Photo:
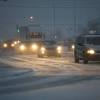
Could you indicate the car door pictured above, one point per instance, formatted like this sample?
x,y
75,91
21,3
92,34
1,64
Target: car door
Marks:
x,y
80,46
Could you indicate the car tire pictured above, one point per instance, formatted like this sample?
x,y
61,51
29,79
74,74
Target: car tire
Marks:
x,y
85,61
58,55
40,56
76,58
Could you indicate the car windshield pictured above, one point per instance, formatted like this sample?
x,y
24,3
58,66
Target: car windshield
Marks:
x,y
93,40
49,43
30,42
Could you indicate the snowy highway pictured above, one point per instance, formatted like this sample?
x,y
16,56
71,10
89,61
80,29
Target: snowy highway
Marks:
x,y
21,73
51,65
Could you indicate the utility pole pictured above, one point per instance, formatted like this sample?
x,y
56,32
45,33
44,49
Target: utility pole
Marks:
x,y
53,16
74,14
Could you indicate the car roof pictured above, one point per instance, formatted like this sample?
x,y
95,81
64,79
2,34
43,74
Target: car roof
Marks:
x,y
28,41
93,35
89,35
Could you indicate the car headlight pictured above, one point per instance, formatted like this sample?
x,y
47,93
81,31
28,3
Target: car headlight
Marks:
x,y
5,45
43,49
15,42
34,46
59,49
91,51
12,45
18,41
22,47
73,47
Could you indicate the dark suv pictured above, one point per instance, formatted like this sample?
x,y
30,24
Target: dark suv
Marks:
x,y
87,48
50,48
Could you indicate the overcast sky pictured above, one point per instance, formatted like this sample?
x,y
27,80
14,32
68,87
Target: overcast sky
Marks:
x,y
17,12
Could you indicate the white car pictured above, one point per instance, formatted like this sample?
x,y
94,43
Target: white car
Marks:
x,y
87,48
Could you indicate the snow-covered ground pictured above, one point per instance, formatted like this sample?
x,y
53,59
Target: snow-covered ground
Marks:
x,y
52,65
29,77
24,84
80,91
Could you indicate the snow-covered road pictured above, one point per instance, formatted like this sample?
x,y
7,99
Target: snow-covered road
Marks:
x,y
52,65
20,73
82,91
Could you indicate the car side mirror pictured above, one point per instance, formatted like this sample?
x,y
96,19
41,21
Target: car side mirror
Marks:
x,y
80,44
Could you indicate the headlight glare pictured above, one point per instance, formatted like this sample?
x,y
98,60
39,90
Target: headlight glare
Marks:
x,y
15,42
91,51
12,45
22,47
5,45
59,48
34,46
43,48
73,46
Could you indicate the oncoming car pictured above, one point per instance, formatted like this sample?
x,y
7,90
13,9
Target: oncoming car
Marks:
x,y
87,48
9,44
50,48
27,47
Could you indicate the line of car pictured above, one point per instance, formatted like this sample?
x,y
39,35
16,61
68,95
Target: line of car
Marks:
x,y
8,44
86,48
41,48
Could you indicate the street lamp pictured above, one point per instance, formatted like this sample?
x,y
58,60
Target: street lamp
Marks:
x,y
31,17
74,12
54,16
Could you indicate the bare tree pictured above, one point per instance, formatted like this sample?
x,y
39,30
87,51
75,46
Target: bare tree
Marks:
x,y
94,24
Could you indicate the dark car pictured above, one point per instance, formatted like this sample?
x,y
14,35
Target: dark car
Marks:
x,y
50,48
87,48
8,44
28,47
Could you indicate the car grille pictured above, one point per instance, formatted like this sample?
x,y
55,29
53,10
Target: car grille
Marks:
x,y
98,51
50,48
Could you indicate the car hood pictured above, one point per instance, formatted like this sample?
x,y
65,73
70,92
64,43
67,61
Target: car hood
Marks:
x,y
95,47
